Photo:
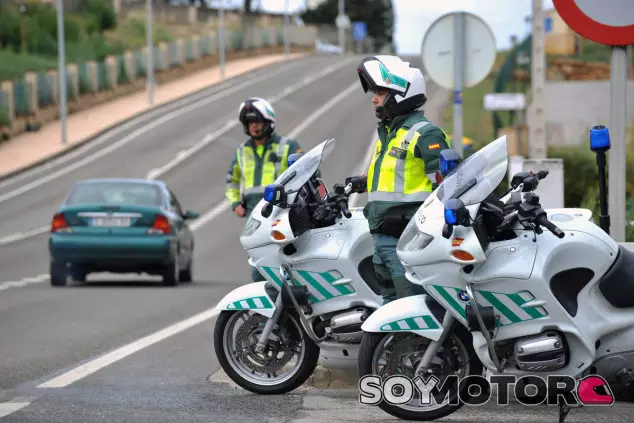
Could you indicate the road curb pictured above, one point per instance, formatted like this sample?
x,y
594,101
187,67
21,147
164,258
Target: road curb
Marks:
x,y
137,115
321,378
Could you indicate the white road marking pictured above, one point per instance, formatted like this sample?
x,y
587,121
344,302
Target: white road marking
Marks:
x,y
132,136
9,407
150,115
354,198
99,363
157,172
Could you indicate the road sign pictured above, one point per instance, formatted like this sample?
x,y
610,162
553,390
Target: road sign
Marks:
x,y
458,52
504,101
359,31
342,21
608,22
439,50
548,24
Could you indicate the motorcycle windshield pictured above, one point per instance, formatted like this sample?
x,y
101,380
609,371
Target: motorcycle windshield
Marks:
x,y
477,176
300,172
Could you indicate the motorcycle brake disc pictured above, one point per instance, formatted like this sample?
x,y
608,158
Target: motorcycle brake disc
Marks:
x,y
267,361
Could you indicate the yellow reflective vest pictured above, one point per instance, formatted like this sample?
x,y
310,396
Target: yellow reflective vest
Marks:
x,y
253,168
404,166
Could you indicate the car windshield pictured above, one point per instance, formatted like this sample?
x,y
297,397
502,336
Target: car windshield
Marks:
x,y
115,193
300,172
477,176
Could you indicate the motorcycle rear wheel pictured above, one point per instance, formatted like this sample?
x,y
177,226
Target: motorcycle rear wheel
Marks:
x,y
256,372
374,344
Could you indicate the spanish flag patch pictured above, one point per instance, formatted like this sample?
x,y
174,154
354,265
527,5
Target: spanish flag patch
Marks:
x,y
434,146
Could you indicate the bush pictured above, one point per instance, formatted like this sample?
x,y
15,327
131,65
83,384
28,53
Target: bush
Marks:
x,y
101,13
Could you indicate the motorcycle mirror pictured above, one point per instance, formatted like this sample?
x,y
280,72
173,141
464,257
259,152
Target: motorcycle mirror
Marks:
x,y
447,231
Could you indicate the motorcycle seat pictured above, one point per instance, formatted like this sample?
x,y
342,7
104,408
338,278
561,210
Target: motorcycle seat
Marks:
x,y
617,285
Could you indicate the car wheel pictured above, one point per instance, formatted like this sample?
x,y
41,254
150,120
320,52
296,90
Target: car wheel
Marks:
x,y
186,274
57,274
171,273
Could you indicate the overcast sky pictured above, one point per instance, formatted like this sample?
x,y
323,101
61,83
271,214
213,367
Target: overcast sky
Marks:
x,y
413,17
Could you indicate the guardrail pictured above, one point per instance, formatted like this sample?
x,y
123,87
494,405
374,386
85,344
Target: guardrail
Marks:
x,y
30,101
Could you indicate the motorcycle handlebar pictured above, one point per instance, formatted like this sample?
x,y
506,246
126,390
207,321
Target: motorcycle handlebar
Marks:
x,y
543,221
343,206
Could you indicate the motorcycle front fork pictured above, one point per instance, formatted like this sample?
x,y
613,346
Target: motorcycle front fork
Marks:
x,y
432,349
279,307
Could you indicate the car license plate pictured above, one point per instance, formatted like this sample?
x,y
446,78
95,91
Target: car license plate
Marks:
x,y
111,221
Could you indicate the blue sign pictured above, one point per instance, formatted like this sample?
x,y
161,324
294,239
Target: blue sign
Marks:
x,y
359,31
548,24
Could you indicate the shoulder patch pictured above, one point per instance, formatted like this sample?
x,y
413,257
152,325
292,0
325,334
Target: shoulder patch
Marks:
x,y
434,146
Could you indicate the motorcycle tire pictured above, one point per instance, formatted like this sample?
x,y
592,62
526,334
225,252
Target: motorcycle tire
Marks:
x,y
371,341
304,371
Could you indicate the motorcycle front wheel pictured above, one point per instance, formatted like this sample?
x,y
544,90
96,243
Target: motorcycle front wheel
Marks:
x,y
399,353
271,372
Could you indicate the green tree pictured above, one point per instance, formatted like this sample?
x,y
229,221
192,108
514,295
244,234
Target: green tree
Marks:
x,y
377,14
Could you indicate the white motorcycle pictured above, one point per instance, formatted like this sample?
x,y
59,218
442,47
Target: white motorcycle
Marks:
x,y
503,293
320,262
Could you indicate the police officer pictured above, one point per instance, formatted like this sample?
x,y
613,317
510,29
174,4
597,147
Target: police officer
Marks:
x,y
405,165
258,161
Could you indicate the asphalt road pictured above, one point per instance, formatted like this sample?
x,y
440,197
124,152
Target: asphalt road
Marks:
x,y
47,332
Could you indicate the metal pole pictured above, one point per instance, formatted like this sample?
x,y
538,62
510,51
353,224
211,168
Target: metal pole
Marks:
x,y
538,147
287,47
61,72
342,33
221,38
458,73
617,174
150,52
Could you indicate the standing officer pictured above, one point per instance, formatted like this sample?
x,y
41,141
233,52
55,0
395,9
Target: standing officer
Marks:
x,y
258,161
405,165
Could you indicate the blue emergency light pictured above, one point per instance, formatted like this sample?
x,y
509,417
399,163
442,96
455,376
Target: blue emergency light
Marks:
x,y
599,138
456,214
449,159
451,217
293,158
269,193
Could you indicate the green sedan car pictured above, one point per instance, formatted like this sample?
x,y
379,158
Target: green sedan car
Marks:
x,y
121,226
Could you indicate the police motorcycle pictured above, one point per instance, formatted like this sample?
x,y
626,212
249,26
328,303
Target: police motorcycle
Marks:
x,y
507,290
316,256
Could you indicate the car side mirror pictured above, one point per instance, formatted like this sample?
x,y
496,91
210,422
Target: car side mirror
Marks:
x,y
189,215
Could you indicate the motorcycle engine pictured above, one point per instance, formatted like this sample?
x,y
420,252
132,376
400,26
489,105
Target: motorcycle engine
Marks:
x,y
345,327
541,353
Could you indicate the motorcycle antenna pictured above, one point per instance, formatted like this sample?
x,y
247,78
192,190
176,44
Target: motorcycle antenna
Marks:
x,y
600,144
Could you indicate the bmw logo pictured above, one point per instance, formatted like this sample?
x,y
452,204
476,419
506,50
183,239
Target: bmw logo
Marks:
x,y
463,296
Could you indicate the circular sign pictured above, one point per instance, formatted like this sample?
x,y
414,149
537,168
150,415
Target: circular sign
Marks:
x,y
608,22
438,50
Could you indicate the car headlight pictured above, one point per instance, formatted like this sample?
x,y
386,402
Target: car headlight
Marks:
x,y
251,226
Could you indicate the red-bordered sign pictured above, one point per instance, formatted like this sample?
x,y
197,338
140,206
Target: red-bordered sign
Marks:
x,y
608,22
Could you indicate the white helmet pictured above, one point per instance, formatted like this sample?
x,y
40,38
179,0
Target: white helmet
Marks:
x,y
257,109
405,83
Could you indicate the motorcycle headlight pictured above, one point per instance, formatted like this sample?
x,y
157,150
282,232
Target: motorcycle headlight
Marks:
x,y
251,226
414,241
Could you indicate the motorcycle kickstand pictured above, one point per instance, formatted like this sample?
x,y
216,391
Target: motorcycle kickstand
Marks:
x,y
563,410
433,347
270,324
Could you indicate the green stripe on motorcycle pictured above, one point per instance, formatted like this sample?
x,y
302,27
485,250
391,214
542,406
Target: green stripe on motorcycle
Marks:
x,y
410,324
344,289
451,300
499,306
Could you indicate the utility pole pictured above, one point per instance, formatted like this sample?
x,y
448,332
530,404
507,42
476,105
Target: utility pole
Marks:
x,y
150,52
537,131
221,37
342,33
61,69
287,47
